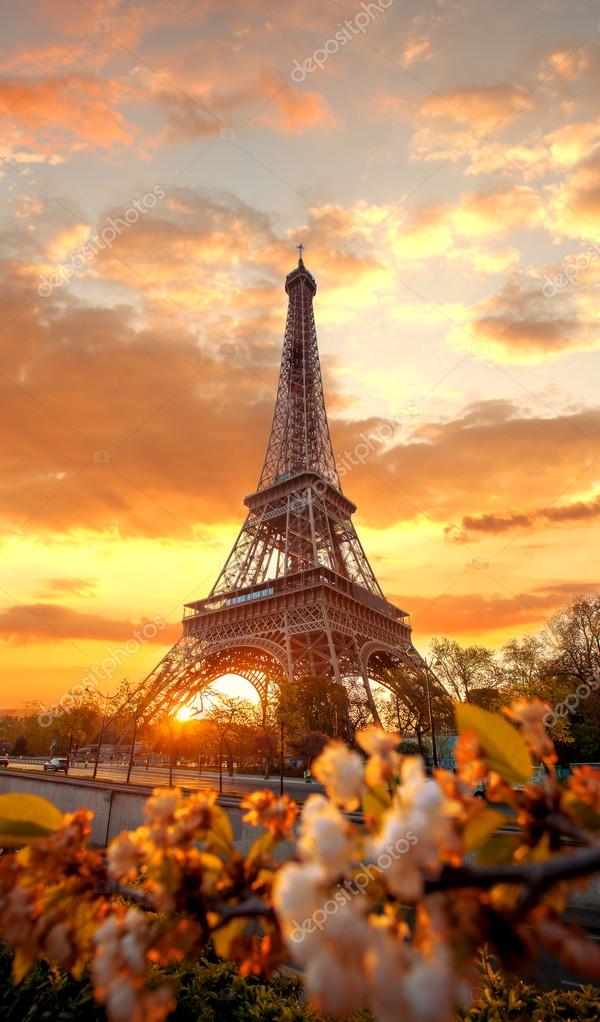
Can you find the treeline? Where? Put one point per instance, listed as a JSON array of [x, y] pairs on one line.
[[559, 665]]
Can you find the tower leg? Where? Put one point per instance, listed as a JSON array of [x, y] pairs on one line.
[[367, 685]]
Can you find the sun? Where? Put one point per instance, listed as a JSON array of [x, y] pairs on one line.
[[184, 713]]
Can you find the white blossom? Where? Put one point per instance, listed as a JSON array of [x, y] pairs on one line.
[[341, 771]]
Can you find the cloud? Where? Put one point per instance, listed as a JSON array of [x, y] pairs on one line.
[[575, 202], [490, 456], [80, 110], [41, 622], [473, 614], [401, 232], [81, 587], [532, 317], [481, 106], [575, 511], [206, 107]]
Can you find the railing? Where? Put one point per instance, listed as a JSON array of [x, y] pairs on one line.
[[289, 583]]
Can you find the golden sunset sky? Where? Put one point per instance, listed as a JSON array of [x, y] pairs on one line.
[[442, 167]]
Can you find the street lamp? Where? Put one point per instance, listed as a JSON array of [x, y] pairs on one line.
[[182, 715], [107, 699], [420, 661]]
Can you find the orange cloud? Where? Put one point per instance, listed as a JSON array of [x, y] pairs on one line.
[[206, 107], [41, 114], [489, 457], [576, 511], [477, 613], [532, 317], [39, 622], [482, 105]]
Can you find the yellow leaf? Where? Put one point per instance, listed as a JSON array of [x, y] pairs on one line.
[[504, 747], [22, 963], [221, 828], [209, 862], [224, 937], [583, 813], [375, 801], [23, 818], [262, 846], [505, 896], [498, 848], [482, 827]]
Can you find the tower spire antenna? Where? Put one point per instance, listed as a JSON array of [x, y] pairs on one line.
[[300, 248]]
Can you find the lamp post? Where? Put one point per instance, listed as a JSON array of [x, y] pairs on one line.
[[99, 746], [132, 753], [189, 715], [281, 756], [171, 752], [422, 662]]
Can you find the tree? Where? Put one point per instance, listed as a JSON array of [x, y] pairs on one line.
[[464, 671], [407, 709], [573, 638], [308, 746], [316, 704], [573, 664], [20, 746]]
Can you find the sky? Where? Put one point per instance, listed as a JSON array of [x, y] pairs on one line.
[[159, 162]]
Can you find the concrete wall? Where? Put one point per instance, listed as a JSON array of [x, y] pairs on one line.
[[115, 807]]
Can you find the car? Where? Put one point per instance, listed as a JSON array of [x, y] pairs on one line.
[[56, 764], [3, 760]]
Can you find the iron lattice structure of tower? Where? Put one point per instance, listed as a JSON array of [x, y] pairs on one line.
[[297, 595]]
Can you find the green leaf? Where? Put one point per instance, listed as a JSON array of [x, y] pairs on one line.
[[23, 818], [504, 747], [482, 827]]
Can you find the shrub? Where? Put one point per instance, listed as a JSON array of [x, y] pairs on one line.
[[517, 1001]]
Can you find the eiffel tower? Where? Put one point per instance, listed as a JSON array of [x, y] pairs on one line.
[[297, 596]]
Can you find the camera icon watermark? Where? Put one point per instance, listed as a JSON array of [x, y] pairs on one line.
[[356, 242], [101, 457]]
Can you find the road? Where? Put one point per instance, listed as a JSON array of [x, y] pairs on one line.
[[158, 776]]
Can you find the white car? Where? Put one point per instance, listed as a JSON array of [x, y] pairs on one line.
[[56, 764]]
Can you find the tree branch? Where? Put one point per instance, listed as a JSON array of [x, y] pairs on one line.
[[532, 874], [245, 910]]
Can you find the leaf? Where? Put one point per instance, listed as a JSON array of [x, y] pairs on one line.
[[583, 813], [262, 846], [482, 827], [224, 937], [499, 848], [504, 747], [23, 818], [375, 801], [221, 825], [22, 963]]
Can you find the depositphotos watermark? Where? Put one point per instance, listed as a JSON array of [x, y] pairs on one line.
[[102, 671], [572, 267], [570, 703], [97, 242], [346, 31], [345, 892]]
